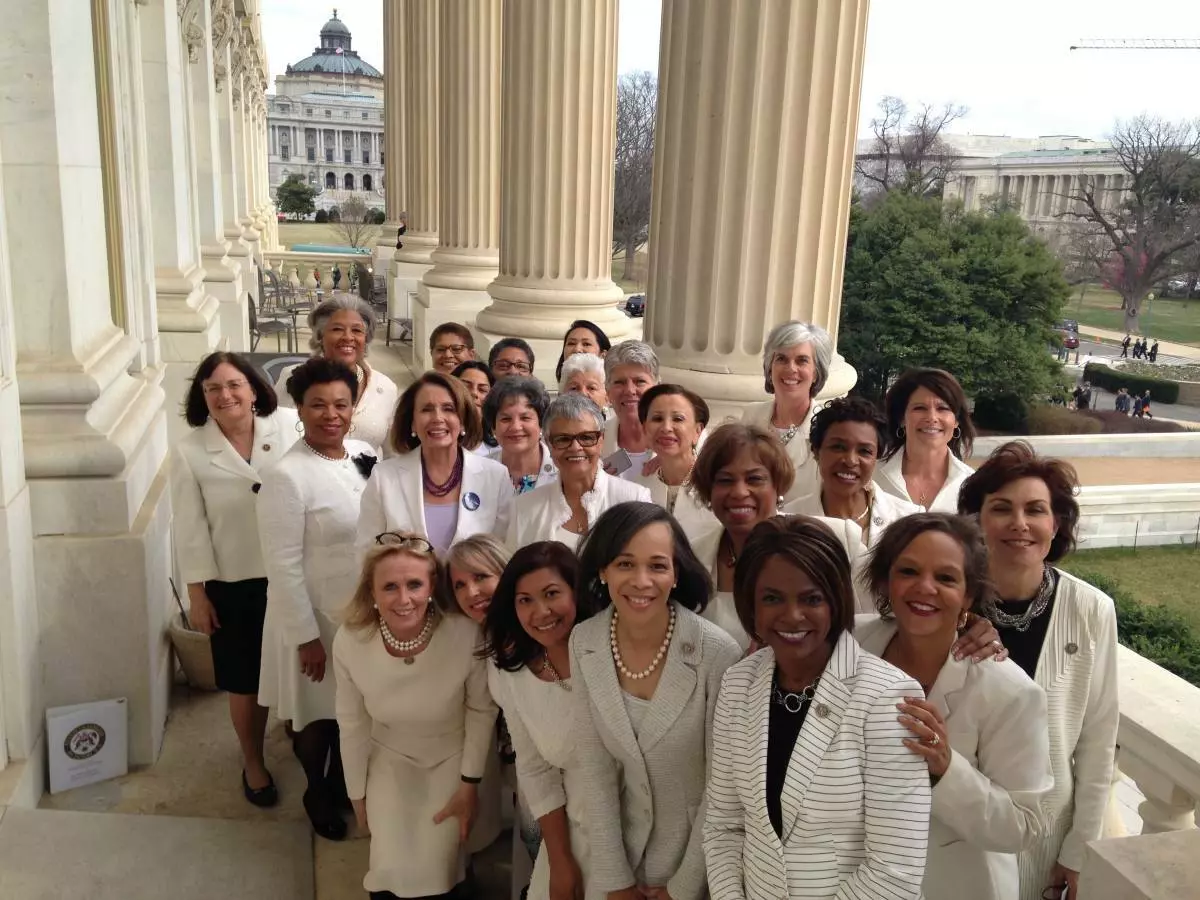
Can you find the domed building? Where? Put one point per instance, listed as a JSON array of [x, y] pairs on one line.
[[325, 122]]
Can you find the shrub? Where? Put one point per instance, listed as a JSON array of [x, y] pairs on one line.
[[1060, 420], [377, 217], [1157, 633], [1111, 379], [321, 217], [335, 214], [1001, 412]]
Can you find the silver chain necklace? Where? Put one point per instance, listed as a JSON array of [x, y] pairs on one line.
[[1021, 622], [793, 701], [548, 666]]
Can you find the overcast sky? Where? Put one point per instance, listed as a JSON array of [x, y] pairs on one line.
[[1008, 63]]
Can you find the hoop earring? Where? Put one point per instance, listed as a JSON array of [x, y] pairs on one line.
[[299, 427], [900, 432], [778, 502], [351, 429], [956, 433]]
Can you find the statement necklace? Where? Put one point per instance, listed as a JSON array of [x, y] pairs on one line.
[[548, 666], [400, 646], [315, 452], [1021, 622], [793, 701], [434, 489], [658, 657]]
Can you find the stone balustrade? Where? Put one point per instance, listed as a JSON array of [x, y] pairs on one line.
[[312, 269]]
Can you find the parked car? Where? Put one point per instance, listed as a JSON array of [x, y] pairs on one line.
[[635, 305], [1068, 325], [1070, 340]]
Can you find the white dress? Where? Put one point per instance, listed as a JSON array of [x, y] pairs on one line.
[[307, 522], [409, 734], [372, 413], [541, 720]]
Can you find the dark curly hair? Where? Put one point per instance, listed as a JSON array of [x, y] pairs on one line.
[[897, 536], [945, 386], [506, 642], [849, 409], [319, 370], [195, 410], [1015, 460]]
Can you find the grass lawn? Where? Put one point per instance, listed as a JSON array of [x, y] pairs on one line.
[[1167, 320], [638, 284], [310, 233], [1164, 576]]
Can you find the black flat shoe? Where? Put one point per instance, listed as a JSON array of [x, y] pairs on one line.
[[264, 797], [326, 821]]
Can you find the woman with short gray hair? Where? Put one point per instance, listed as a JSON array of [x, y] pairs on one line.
[[630, 369], [513, 412], [342, 326], [796, 360], [564, 510], [583, 373]]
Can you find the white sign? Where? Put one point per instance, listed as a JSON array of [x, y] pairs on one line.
[[88, 742]]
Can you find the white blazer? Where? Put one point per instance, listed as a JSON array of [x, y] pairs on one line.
[[546, 474], [808, 477], [394, 499], [692, 515], [539, 514], [855, 800], [213, 494], [885, 509], [987, 806], [372, 413], [1078, 672], [889, 475], [645, 791]]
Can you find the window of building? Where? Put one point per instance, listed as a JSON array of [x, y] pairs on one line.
[[345, 113], [349, 182], [381, 117], [312, 154], [329, 113], [364, 113], [366, 182], [381, 152], [366, 157], [349, 157], [308, 110], [285, 110], [328, 154], [330, 180], [285, 152]]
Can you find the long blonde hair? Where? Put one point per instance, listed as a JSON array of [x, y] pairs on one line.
[[480, 554], [360, 613]]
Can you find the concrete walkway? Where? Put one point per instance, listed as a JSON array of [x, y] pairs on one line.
[[1165, 348]]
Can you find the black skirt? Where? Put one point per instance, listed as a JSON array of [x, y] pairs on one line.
[[241, 607]]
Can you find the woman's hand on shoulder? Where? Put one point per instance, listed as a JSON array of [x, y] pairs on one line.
[[980, 641]]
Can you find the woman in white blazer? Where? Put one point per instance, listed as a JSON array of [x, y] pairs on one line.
[[812, 793], [674, 419], [847, 437], [983, 729], [514, 413], [307, 521], [564, 510], [630, 369], [237, 433], [648, 670], [927, 412], [528, 631], [796, 360], [416, 722], [342, 327], [1063, 633], [435, 486]]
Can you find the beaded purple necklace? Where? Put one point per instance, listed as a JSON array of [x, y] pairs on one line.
[[441, 490]]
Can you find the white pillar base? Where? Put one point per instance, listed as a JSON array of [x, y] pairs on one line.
[[223, 280], [20, 647], [436, 306]]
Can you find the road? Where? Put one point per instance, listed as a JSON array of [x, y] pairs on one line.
[[1108, 351]]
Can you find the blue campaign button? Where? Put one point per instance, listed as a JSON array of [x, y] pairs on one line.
[[471, 501]]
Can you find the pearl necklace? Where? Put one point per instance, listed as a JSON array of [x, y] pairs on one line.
[[315, 452], [406, 646], [658, 657], [548, 666]]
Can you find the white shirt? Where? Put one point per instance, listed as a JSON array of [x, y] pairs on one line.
[[889, 475], [539, 514], [808, 477]]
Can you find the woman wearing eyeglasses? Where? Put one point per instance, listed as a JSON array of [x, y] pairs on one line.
[[435, 486], [511, 356], [564, 510], [416, 721]]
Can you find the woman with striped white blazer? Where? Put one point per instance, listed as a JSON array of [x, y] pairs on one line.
[[1063, 633], [812, 793]]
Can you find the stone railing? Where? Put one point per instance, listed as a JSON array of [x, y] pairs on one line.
[[313, 270]]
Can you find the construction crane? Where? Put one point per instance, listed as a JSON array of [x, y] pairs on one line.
[[1137, 44]]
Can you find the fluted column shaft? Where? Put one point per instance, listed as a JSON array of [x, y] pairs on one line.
[[753, 159], [393, 123], [559, 111], [468, 254], [419, 33]]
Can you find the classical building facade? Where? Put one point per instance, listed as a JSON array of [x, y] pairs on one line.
[[133, 215], [325, 122]]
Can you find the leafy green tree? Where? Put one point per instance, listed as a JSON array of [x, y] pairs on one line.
[[294, 197], [973, 293]]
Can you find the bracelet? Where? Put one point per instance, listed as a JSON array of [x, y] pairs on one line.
[[467, 779]]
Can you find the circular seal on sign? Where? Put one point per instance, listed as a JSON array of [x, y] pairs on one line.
[[471, 500], [84, 741]]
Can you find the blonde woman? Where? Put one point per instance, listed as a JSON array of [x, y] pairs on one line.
[[416, 721]]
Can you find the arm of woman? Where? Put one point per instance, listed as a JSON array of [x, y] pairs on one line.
[[480, 725], [193, 541], [281, 520], [690, 881], [896, 803], [609, 866], [503, 498], [724, 819], [354, 722], [541, 783], [1095, 750], [371, 519], [997, 806]]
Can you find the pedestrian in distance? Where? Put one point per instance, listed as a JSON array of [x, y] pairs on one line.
[[1154, 352], [1125, 347]]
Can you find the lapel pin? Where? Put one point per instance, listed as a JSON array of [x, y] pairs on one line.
[[822, 711], [470, 501], [379, 388], [689, 648], [1072, 647], [877, 520]]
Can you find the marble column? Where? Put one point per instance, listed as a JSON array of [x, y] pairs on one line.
[[419, 32], [222, 277], [753, 162], [242, 99], [188, 320], [92, 431], [395, 192], [468, 255], [559, 108], [225, 36]]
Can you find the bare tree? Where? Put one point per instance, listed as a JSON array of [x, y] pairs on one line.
[[908, 152], [355, 226], [637, 102], [1152, 228]]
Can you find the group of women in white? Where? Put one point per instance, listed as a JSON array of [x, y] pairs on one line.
[[809, 654]]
